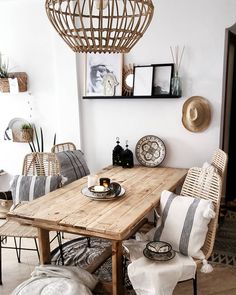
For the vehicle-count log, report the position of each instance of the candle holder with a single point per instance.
(104, 181)
(116, 153)
(127, 158)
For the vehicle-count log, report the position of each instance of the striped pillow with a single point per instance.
(73, 165)
(28, 188)
(184, 223)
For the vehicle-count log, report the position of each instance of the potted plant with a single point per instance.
(3, 68)
(5, 75)
(27, 133)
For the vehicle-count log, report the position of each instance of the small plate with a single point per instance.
(85, 191)
(168, 256)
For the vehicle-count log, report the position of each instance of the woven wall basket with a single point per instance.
(25, 135)
(100, 25)
(21, 78)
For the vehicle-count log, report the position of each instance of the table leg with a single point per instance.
(117, 282)
(44, 246)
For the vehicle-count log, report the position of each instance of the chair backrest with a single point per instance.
(219, 160)
(61, 147)
(41, 164)
(206, 185)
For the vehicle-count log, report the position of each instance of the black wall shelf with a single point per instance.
(163, 96)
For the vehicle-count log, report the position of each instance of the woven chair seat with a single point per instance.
(15, 229)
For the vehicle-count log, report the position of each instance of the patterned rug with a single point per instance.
(76, 252)
(224, 251)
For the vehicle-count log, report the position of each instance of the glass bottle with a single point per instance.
(176, 86)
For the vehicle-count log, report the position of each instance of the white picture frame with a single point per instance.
(143, 76)
(103, 74)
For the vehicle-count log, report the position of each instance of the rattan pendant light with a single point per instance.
(100, 25)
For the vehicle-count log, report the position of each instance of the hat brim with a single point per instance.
(207, 114)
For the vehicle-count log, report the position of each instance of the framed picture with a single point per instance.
(103, 74)
(143, 76)
(162, 74)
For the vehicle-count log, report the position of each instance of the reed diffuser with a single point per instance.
(177, 55)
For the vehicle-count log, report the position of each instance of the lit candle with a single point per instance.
(105, 181)
(99, 188)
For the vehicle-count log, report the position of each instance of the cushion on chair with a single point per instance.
(184, 223)
(27, 188)
(73, 165)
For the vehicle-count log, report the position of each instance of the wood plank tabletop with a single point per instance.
(69, 210)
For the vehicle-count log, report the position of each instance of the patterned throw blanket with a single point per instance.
(58, 280)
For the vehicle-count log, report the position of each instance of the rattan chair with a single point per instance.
(40, 164)
(61, 147)
(219, 160)
(208, 186)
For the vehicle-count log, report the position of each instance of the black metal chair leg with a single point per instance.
(89, 242)
(195, 284)
(124, 261)
(0, 260)
(20, 239)
(36, 246)
(60, 247)
(16, 248)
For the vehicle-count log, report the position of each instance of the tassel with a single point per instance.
(209, 212)
(206, 267)
(140, 236)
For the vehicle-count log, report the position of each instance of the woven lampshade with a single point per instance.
(100, 25)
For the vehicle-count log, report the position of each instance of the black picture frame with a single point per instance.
(162, 75)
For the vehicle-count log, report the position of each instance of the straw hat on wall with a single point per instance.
(196, 114)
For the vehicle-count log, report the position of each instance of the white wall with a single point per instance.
(28, 39)
(200, 26)
(34, 47)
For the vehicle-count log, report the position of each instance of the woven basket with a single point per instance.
(21, 78)
(25, 135)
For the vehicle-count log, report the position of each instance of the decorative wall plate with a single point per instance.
(150, 151)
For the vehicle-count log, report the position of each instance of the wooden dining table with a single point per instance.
(68, 210)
